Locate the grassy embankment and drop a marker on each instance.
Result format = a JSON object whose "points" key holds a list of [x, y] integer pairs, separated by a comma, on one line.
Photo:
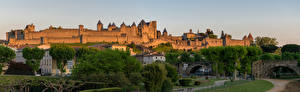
{"points": [[242, 86]]}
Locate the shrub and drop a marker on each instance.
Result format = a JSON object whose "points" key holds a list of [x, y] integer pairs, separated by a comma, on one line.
{"points": [[185, 82], [197, 82], [115, 89], [15, 68]]}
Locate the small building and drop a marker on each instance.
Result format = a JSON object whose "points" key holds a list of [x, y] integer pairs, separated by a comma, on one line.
{"points": [[48, 65], [150, 58]]}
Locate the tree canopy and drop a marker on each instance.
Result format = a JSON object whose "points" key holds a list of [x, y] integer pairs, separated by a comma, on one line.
{"points": [[6, 54], [290, 48], [62, 53], [269, 48], [33, 57], [260, 41]]}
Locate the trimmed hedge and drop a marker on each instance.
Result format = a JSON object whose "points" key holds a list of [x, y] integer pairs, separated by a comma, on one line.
{"points": [[115, 89], [185, 82]]}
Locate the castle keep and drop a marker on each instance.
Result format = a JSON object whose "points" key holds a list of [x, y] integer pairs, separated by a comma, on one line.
{"points": [[145, 33]]}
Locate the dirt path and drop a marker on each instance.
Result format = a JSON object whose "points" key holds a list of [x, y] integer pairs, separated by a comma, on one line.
{"points": [[293, 86], [279, 84]]}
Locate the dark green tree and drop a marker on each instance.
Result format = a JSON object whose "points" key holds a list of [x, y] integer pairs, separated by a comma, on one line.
{"points": [[154, 76], [33, 57], [269, 48], [290, 48], [233, 56], [62, 53], [186, 57], [214, 55], [171, 72], [99, 66], [252, 55], [6, 55]]}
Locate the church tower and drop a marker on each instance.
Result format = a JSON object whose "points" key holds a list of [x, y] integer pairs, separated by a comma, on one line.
{"points": [[99, 26]]}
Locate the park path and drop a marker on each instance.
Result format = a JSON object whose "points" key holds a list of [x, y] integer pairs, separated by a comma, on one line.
{"points": [[279, 84], [217, 83]]}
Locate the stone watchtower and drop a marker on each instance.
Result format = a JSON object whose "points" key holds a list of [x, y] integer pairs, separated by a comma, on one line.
{"points": [[99, 26], [165, 33], [30, 28]]}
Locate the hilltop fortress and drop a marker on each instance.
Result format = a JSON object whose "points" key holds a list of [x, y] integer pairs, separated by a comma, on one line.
{"points": [[145, 33]]}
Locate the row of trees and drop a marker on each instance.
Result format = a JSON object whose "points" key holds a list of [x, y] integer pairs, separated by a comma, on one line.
{"points": [[116, 68], [60, 53], [235, 58]]}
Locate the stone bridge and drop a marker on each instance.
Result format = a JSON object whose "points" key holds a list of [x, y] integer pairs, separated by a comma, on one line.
{"points": [[190, 67], [264, 68]]}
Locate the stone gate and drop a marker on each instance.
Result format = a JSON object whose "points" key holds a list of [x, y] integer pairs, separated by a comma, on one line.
{"points": [[187, 67], [264, 68]]}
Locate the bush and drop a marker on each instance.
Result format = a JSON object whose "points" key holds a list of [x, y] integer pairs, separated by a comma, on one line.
{"points": [[15, 68], [197, 82], [115, 89], [185, 82]]}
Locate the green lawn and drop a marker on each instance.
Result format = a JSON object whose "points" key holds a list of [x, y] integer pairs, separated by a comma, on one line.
{"points": [[204, 83], [253, 86]]}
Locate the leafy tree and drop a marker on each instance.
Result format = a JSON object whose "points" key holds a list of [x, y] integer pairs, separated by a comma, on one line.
{"points": [[62, 53], [251, 56], [232, 56], [269, 48], [33, 57], [172, 57], [290, 48], [171, 72], [6, 55], [213, 54], [99, 67], [185, 57], [199, 57], [81, 53], [167, 85], [154, 76], [260, 41]]}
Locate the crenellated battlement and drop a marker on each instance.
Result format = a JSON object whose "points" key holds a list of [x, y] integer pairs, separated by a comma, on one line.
{"points": [[144, 33]]}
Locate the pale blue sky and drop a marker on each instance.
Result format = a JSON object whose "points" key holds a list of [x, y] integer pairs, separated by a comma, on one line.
{"points": [[274, 18]]}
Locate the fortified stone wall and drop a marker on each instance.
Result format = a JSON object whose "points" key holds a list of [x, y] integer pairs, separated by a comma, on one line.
{"points": [[145, 34]]}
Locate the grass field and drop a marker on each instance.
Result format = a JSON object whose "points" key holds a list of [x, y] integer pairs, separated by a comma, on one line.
{"points": [[253, 86]]}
